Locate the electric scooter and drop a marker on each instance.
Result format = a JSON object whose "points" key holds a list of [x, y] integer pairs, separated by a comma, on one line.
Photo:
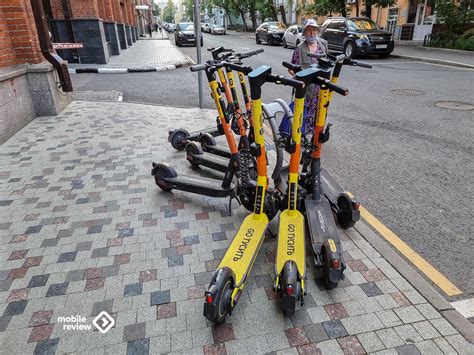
{"points": [[179, 138], [343, 202], [322, 227], [167, 178], [229, 279], [239, 120]]}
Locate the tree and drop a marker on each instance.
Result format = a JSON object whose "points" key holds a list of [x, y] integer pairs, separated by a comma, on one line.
{"points": [[328, 7], [189, 13], [226, 5], [156, 10], [240, 7], [169, 11], [376, 3], [455, 17]]}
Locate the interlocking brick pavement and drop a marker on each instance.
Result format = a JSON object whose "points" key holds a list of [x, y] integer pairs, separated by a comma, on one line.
{"points": [[85, 229]]}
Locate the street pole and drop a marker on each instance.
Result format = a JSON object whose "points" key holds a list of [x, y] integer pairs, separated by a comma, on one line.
{"points": [[197, 26]]}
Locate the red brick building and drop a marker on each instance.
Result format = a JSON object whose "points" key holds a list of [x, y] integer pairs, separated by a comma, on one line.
{"points": [[28, 83], [105, 27]]}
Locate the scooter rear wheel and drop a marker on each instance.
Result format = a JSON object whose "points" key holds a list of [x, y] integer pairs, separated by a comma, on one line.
{"points": [[224, 301], [178, 139], [344, 216]]}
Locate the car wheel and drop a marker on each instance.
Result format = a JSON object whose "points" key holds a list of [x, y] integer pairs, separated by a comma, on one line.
{"points": [[257, 40], [284, 43], [349, 49]]}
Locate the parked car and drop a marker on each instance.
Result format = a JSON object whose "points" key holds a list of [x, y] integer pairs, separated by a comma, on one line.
{"points": [[217, 30], [205, 26], [171, 28], [185, 34], [270, 32], [357, 35], [293, 36]]}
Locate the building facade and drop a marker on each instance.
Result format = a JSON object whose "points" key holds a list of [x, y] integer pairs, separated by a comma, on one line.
{"points": [[104, 27], [28, 83]]}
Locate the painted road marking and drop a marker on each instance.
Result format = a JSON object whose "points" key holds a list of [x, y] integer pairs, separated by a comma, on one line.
{"points": [[434, 275], [465, 307]]}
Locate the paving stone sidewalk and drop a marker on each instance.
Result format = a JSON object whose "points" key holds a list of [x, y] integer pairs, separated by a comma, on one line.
{"points": [[84, 229], [144, 54]]}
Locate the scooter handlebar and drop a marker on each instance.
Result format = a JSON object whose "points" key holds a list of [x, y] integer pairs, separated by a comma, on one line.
{"points": [[240, 68], [361, 64], [340, 90], [198, 67], [250, 54], [294, 67], [281, 80]]}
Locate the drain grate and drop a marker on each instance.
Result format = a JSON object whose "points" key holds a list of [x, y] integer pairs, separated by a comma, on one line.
{"points": [[407, 92], [455, 105]]}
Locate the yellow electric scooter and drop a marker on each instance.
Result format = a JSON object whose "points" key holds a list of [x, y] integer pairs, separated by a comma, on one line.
{"points": [[229, 279]]}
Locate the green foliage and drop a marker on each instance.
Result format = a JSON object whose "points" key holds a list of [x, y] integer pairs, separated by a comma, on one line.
{"points": [[327, 8], [169, 11], [189, 12], [454, 17], [156, 10]]}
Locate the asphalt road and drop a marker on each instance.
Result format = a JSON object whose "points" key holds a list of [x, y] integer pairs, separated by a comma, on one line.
{"points": [[409, 162]]}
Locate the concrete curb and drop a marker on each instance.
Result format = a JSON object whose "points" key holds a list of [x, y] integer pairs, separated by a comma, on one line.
{"points": [[413, 276], [434, 61], [109, 70]]}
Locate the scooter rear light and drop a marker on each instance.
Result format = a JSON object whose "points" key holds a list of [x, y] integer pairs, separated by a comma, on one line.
{"points": [[356, 206], [289, 290], [336, 264], [209, 298]]}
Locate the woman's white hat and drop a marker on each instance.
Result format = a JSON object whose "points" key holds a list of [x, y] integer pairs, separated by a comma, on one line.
{"points": [[311, 23]]}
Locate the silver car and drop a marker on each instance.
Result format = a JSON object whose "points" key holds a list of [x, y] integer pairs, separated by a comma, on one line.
{"points": [[293, 36], [217, 30]]}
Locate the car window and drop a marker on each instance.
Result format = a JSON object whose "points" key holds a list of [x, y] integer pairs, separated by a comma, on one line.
{"points": [[362, 24], [185, 27], [332, 25], [340, 25], [276, 26]]}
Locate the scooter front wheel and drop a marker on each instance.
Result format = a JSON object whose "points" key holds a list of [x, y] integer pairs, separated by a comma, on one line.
{"points": [[192, 149], [178, 139], [161, 171], [347, 215]]}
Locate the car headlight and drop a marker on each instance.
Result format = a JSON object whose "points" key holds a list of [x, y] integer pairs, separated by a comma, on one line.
{"points": [[364, 37], [391, 38]]}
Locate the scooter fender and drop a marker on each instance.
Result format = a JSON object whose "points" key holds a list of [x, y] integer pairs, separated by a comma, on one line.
{"points": [[217, 283], [335, 274]]}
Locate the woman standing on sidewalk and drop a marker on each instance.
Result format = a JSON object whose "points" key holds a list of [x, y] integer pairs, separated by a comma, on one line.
{"points": [[312, 44]]}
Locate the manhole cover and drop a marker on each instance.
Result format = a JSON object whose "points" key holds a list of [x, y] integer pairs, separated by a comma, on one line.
{"points": [[455, 105], [407, 92]]}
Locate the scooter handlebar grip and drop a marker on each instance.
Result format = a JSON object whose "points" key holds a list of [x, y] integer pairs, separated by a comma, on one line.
{"points": [[340, 90], [294, 67], [281, 80], [198, 67], [316, 55], [361, 64], [339, 58], [240, 68]]}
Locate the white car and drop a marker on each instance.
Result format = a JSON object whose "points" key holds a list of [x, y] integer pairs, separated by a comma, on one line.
{"points": [[293, 36], [206, 27]]}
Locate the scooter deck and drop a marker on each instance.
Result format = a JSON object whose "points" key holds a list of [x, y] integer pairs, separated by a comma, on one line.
{"points": [[243, 250], [200, 185], [210, 160], [219, 150], [291, 241], [331, 187], [321, 222]]}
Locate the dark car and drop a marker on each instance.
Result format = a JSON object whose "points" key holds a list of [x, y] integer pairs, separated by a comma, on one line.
{"points": [[357, 35], [270, 32], [185, 34]]}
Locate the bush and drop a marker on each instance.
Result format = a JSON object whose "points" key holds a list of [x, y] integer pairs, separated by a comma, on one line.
{"points": [[465, 43]]}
